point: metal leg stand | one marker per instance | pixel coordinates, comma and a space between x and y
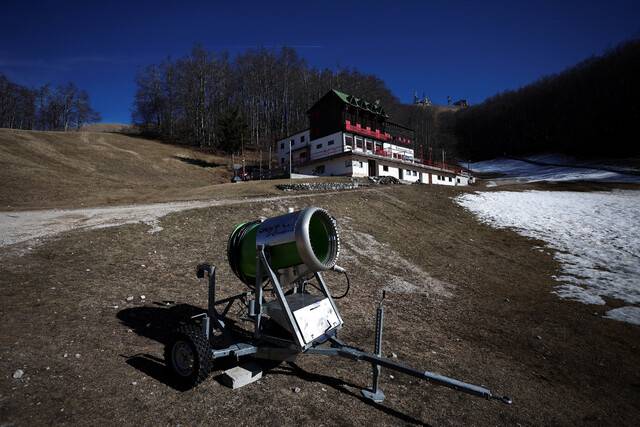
375, 393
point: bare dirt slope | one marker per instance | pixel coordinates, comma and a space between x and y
70, 169
464, 300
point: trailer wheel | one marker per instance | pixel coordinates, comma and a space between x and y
187, 356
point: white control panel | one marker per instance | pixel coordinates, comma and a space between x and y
316, 319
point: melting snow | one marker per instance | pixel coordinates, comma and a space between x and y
625, 314
596, 237
553, 168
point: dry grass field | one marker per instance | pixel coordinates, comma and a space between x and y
70, 169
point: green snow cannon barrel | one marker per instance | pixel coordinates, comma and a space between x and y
308, 237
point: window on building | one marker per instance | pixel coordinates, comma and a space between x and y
302, 138
450, 179
348, 141
385, 168
293, 142
458, 180
369, 145
319, 146
303, 155
330, 142
282, 145
359, 143
415, 173
282, 160
361, 165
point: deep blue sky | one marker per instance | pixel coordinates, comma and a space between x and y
464, 49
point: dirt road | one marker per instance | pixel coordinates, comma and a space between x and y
26, 226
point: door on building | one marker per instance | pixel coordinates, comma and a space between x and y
373, 170
400, 173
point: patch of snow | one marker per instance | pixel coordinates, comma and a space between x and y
596, 236
553, 168
627, 314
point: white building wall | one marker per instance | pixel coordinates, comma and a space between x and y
443, 180
462, 180
410, 174
360, 168
391, 171
298, 140
327, 146
334, 167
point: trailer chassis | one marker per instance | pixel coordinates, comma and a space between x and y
214, 324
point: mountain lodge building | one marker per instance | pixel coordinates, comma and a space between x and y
349, 136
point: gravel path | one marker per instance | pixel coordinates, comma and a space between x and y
24, 226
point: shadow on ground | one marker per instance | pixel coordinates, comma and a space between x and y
344, 387
197, 162
157, 323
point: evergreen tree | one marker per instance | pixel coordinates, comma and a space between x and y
231, 131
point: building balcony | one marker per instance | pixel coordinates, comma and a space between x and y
392, 155
400, 140
438, 165
367, 131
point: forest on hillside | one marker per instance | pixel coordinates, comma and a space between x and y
62, 107
590, 109
214, 101
211, 100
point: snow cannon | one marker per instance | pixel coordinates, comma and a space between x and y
289, 309
305, 238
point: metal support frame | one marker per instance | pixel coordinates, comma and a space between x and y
283, 349
338, 348
291, 320
327, 293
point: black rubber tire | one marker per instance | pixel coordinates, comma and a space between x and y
192, 336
